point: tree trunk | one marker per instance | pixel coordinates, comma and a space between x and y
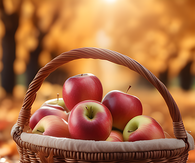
9, 49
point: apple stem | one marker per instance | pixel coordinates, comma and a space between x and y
130, 131
57, 98
40, 131
128, 88
90, 112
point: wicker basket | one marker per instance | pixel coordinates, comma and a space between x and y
33, 147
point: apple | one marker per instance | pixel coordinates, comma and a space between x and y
115, 136
90, 120
122, 106
52, 125
57, 103
44, 111
142, 127
81, 87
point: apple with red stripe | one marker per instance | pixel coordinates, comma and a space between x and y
90, 120
143, 127
57, 103
52, 125
81, 87
122, 106
45, 111
115, 136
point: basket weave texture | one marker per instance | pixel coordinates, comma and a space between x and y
30, 152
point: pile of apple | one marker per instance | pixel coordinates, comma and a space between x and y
83, 113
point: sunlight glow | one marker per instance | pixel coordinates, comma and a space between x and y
2, 160
103, 40
110, 1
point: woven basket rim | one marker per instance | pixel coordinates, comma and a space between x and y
105, 146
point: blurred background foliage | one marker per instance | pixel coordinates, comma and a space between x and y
159, 34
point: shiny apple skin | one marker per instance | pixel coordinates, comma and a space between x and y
44, 111
115, 136
57, 103
81, 87
96, 128
143, 128
123, 107
52, 125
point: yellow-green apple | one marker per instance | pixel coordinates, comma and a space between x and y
57, 103
81, 87
52, 125
115, 136
142, 127
44, 111
90, 120
122, 106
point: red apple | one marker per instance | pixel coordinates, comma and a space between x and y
44, 111
90, 120
122, 106
115, 136
57, 103
142, 128
81, 87
52, 125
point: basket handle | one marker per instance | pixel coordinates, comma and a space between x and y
104, 54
